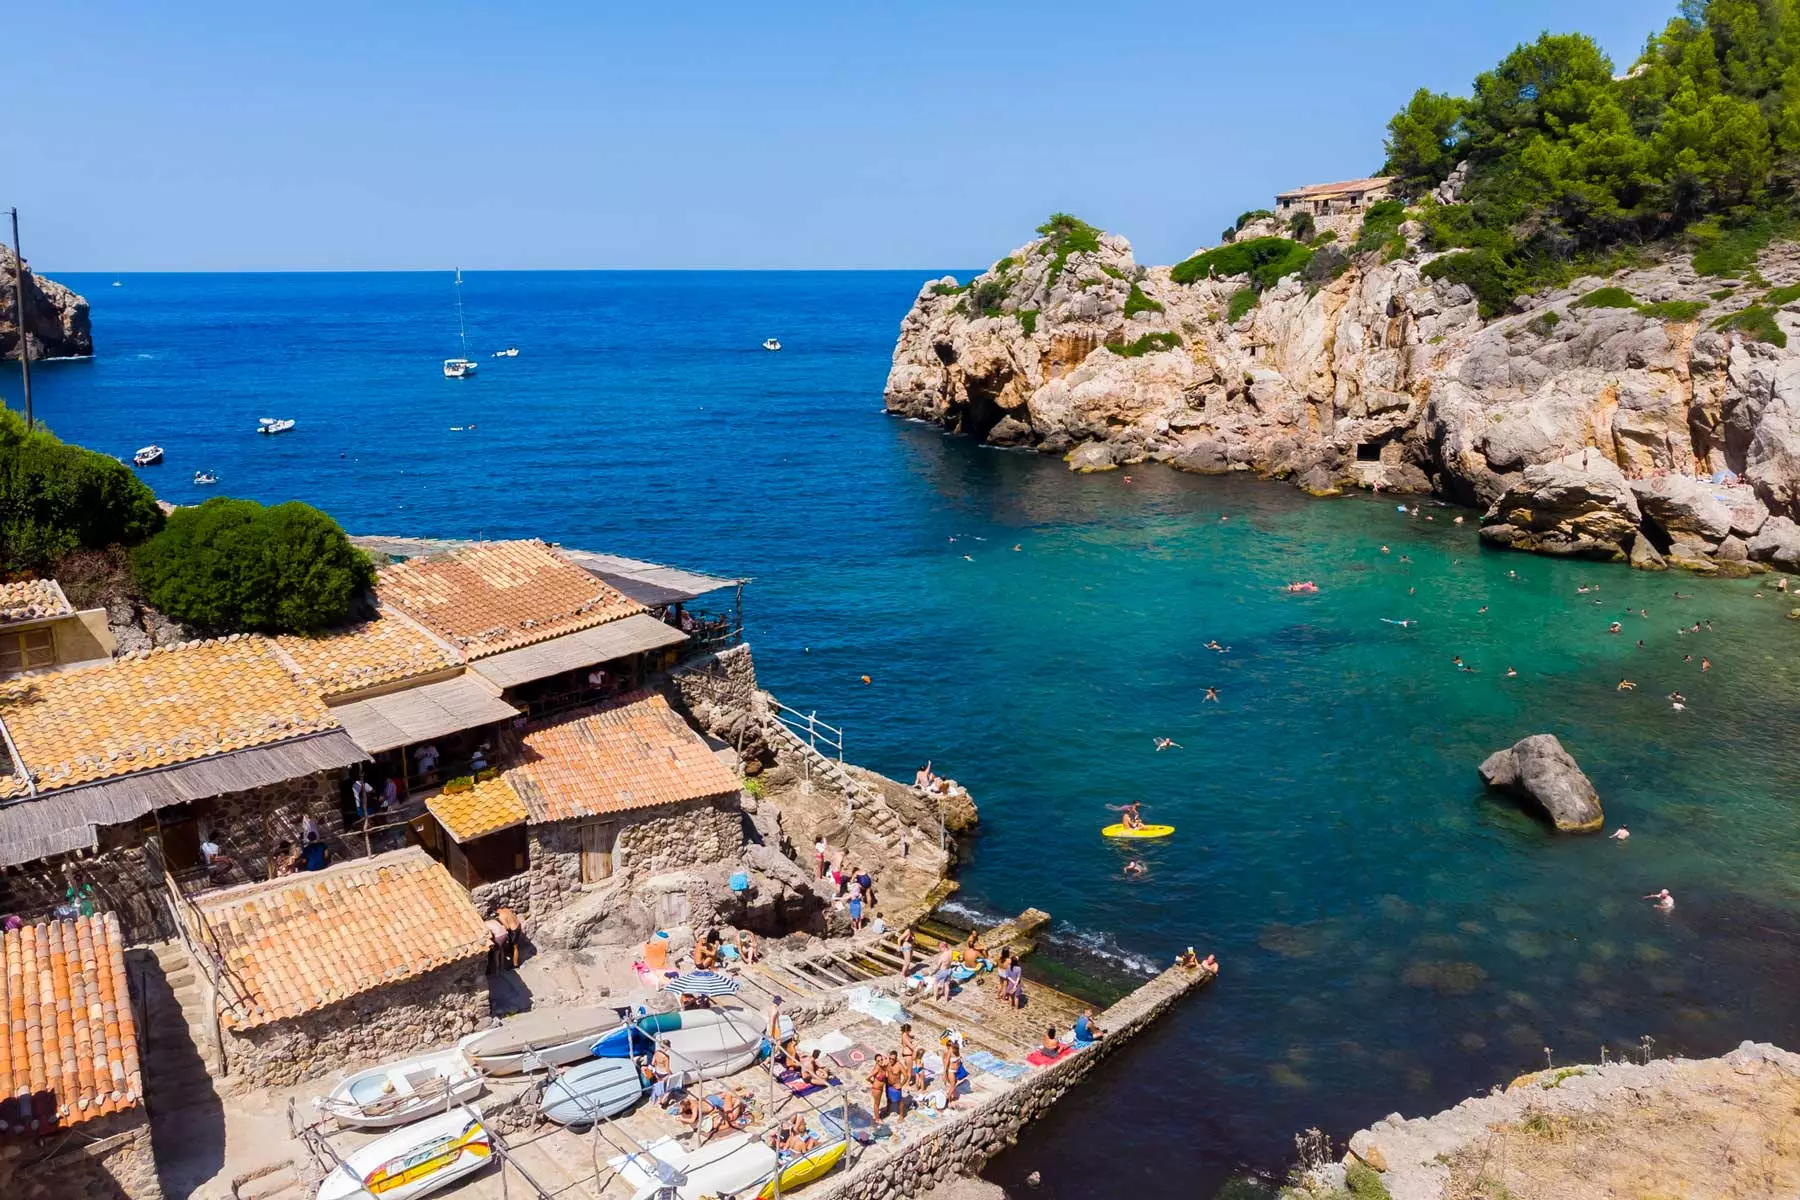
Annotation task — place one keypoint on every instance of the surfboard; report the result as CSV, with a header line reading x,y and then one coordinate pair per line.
x,y
1148,831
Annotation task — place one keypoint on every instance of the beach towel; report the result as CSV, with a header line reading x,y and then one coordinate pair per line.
x,y
790,1079
1002,1069
1038,1058
880,1005
854,1057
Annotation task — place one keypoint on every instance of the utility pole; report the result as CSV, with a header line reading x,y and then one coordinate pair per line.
x,y
19,316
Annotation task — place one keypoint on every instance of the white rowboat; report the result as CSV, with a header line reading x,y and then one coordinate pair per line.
x,y
401,1092
536,1041
414,1161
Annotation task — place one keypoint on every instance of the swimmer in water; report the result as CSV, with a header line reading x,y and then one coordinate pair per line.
x,y
1458,521
1405,558
1212,693
1163,743
1614,627
1403,624
1385,550
1640,643
1016,549
1679,596
1619,834
1511,674
1481,610
1134,867
1677,698
1706,664
1512,574
1663,900
1626,685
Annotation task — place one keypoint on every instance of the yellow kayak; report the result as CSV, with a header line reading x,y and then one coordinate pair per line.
x,y
804,1169
1147,831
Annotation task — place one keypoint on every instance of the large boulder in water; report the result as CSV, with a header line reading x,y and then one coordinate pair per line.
x,y
1578,505
1538,769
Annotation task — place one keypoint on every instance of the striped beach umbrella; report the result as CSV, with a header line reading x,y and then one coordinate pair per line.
x,y
703,983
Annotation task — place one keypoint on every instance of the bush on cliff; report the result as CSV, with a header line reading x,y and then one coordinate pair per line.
x,y
1136,302
1381,230
1150,343
56,498
1065,235
1266,260
1569,158
236,565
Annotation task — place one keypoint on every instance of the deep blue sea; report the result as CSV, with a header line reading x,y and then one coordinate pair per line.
x,y
1391,937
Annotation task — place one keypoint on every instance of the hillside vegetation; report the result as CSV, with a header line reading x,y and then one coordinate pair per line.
x,y
1572,166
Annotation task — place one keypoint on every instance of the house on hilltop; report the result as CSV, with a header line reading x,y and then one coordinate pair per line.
x,y
1351,196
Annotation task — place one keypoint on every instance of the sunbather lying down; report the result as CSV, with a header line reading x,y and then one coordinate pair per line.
x,y
792,1137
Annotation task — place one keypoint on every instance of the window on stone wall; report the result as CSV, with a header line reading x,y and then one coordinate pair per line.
x,y
27,650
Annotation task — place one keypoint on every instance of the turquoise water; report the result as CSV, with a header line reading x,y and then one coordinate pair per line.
x,y
1391,937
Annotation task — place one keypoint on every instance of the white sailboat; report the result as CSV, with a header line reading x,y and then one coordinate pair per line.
x,y
460,368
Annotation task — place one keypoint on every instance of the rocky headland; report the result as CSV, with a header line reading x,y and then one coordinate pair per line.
x,y
57,318
1620,418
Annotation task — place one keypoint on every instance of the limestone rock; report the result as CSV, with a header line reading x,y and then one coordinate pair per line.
x,y
1644,555
60,326
1778,542
1681,504
1538,769
1204,457
1091,456
1578,505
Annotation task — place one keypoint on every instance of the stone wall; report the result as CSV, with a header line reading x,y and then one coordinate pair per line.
x,y
379,1025
960,1142
649,842
107,1159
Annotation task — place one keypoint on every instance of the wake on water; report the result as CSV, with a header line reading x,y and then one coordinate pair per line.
x,y
1091,943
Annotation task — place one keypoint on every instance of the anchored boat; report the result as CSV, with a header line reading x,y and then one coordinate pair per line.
x,y
149,456
592,1091
414,1161
398,1093
463,367
535,1041
771,344
273,424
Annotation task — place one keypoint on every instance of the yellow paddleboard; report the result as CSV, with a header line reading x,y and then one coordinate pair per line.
x,y
1148,831
804,1169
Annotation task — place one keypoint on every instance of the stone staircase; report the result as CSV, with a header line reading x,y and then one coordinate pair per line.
x,y
867,806
180,1064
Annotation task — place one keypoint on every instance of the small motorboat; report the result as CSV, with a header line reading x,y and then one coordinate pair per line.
x,y
771,344
204,478
592,1092
509,352
729,1166
149,456
536,1041
398,1093
704,1043
274,424
413,1161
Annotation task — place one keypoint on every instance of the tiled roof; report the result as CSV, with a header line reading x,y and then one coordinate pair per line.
x,y
154,709
386,648
1326,189
298,943
32,600
488,807
494,596
638,754
68,1049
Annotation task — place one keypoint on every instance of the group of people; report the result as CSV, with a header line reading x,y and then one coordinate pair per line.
x,y
712,951
854,884
897,1079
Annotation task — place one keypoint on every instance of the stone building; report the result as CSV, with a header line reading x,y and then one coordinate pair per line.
x,y
624,788
116,774
41,631
72,1119
365,961
1333,199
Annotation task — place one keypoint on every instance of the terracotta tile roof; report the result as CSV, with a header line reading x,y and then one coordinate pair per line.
x,y
637,754
68,1048
488,807
494,596
1329,189
154,709
32,600
298,943
386,648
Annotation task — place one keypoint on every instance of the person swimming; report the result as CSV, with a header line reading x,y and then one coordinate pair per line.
x,y
1663,899
1619,834
1163,743
1511,674
1212,694
1134,868
1404,624
1614,627
1626,685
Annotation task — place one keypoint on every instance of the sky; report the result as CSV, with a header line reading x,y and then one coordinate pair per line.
x,y
190,136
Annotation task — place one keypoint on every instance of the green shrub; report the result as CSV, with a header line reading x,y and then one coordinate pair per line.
x,y
1756,323
986,294
1112,270
1482,272
1381,225
1545,322
1732,250
236,565
1324,239
56,498
1302,227
1255,214
1065,235
1137,302
1325,266
1242,301
1607,297
1673,310
756,787
1028,319
1004,265
1724,293
948,289
1782,295
1364,1183
1150,343
1266,260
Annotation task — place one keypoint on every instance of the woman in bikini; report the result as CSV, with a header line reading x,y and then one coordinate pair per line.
x,y
905,942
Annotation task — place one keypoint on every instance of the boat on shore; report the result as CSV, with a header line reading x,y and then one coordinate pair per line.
x,y
149,456
536,1041
592,1092
401,1092
797,1171
274,424
726,1167
414,1161
703,1043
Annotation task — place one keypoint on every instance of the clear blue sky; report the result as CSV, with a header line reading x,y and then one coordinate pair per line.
x,y
178,135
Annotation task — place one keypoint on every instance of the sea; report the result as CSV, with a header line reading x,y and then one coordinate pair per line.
x,y
1391,937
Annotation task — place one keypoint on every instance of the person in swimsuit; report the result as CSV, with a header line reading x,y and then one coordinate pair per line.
x,y
955,1074
907,1044
1049,1047
896,1076
878,1086
815,1072
1163,743
1134,868
1663,900
905,942
1619,834
941,978
1212,694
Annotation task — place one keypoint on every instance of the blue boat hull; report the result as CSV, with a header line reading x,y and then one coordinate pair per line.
x,y
582,1095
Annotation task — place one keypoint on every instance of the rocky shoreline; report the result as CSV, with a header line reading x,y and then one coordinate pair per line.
x,y
60,326
1608,419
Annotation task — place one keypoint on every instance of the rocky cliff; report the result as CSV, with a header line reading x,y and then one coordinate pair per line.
x,y
57,317
1639,431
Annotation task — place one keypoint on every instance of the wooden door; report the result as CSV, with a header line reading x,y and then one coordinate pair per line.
x,y
597,850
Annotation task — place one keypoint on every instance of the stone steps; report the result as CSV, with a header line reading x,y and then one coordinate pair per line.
x,y
276,1180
